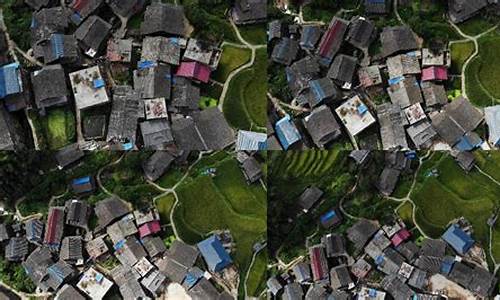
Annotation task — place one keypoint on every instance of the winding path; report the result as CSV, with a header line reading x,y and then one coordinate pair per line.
x,y
473,39
227,83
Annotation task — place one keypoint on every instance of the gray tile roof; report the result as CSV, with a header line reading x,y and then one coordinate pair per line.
x,y
322,126
156,134
157,164
92,34
397,39
164,18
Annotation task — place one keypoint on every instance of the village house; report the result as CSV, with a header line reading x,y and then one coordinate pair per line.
x,y
157,164
185,95
285,51
309,198
397,39
164,18
77,213
72,250
89,88
322,126
16,249
110,209
92,34
34,231
125,112
161,50
94,284
462,10
202,52
60,48
319,264
119,50
355,115
332,40
251,141
125,8
492,118
68,292
249,11
83,9
309,37
156,134
405,91
94,127
214,253
360,33
342,70
403,64
49,87
54,229
153,81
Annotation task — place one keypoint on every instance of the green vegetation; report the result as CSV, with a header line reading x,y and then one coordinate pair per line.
x,y
478,24
17,17
13,274
125,180
290,173
427,20
460,52
164,205
254,34
206,102
481,73
257,278
227,202
232,58
245,103
58,127
405,211
169,179
453,194
208,19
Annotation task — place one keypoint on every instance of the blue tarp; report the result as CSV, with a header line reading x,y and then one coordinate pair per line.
x,y
99,83
328,216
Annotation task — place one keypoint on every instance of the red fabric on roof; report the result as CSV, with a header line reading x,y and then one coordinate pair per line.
x,y
435,73
400,237
78,4
194,70
149,228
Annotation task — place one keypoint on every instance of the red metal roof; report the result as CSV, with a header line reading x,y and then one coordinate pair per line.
x,y
194,70
149,228
53,223
435,73
400,237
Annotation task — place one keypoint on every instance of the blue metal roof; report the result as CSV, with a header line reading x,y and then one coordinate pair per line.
x,y
328,216
287,133
447,264
458,239
80,181
10,80
249,141
318,90
57,43
214,254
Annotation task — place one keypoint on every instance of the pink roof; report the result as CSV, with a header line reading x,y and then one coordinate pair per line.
x,y
435,73
400,237
194,70
149,228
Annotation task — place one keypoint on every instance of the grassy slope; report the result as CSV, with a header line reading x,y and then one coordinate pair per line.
x,y
257,278
227,203
246,102
164,205
459,54
482,72
454,194
254,34
59,127
232,58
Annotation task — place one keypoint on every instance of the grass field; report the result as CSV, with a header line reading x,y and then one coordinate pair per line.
x,y
254,34
460,52
476,25
58,127
405,211
227,202
482,72
453,194
232,58
245,103
257,278
169,179
164,205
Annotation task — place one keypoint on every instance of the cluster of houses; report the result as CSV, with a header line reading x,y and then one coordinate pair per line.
x,y
374,261
62,255
130,88
394,100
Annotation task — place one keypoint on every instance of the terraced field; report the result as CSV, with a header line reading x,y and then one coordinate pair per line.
x,y
453,194
304,163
